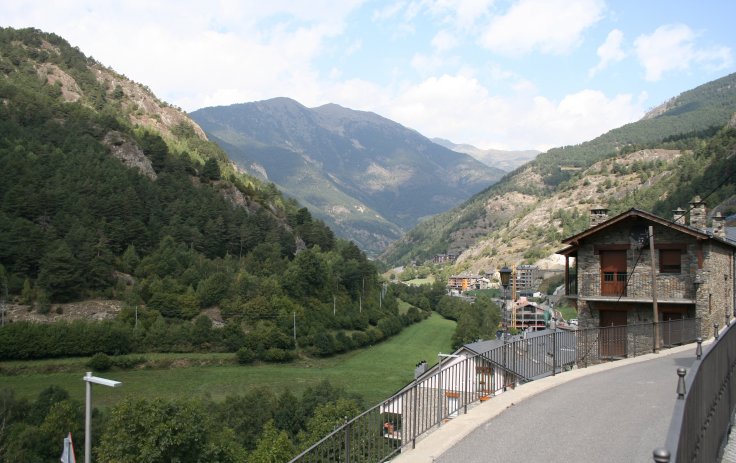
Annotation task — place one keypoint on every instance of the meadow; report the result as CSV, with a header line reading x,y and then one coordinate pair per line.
x,y
373,372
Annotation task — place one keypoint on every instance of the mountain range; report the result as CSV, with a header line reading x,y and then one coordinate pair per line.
x,y
506,160
683,148
369,178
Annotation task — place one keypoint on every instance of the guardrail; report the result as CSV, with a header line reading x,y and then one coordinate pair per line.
x,y
706,403
383,431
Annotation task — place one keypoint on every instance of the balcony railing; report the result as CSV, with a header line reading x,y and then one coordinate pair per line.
x,y
381,432
637,285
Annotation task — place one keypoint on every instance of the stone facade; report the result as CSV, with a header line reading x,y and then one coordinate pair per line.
x,y
702,286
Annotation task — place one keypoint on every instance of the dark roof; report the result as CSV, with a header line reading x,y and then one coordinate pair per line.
x,y
566,352
574,240
528,369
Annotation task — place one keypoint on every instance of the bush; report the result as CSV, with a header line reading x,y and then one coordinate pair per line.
x,y
100,362
245,356
374,334
360,339
126,362
275,354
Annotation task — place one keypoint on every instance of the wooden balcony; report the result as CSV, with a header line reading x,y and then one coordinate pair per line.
x,y
633,287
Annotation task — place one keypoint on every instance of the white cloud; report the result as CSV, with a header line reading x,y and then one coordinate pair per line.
x,y
609,52
388,12
549,26
461,14
444,40
200,54
672,47
360,94
426,64
461,109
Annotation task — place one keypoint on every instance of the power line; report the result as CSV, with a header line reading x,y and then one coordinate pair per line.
x,y
671,222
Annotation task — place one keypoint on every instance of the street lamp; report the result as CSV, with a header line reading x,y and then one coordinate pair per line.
x,y
505,274
89,379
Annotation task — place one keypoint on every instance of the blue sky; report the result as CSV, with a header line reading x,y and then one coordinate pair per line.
x,y
494,73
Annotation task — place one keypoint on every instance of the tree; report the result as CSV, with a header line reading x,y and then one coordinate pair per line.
x,y
61,275
155,148
211,170
162,432
326,418
274,446
477,321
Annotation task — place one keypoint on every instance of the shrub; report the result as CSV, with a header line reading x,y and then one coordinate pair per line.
x,y
126,362
245,355
100,362
360,339
275,354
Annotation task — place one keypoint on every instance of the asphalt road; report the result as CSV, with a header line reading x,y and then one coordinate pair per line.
x,y
613,416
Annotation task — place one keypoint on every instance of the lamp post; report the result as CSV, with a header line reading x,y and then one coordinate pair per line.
x,y
505,274
89,379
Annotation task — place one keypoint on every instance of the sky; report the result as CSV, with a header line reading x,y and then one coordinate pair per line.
x,y
520,74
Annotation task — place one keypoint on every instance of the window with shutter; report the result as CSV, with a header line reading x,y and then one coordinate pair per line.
x,y
670,260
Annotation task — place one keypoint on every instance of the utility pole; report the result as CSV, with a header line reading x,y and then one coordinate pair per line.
x,y
3,299
654,290
295,344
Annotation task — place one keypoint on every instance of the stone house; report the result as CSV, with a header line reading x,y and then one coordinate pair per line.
x,y
609,269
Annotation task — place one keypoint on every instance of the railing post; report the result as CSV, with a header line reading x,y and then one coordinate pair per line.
x,y
554,352
347,440
699,348
466,389
661,455
414,415
586,351
439,392
681,372
505,369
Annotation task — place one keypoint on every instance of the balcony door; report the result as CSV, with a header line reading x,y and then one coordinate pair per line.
x,y
613,273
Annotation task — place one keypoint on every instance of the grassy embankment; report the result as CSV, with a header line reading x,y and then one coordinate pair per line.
x,y
375,372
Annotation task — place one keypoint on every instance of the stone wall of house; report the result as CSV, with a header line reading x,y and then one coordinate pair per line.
x,y
715,295
678,286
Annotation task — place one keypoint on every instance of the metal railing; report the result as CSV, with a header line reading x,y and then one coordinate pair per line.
x,y
635,285
706,404
381,432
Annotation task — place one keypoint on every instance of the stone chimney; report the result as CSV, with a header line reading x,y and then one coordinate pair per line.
x,y
678,216
719,225
697,213
420,369
598,215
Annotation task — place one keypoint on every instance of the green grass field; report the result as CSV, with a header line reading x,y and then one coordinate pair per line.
x,y
375,372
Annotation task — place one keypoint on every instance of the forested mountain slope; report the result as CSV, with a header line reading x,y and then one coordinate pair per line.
x,y
368,177
107,192
495,226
